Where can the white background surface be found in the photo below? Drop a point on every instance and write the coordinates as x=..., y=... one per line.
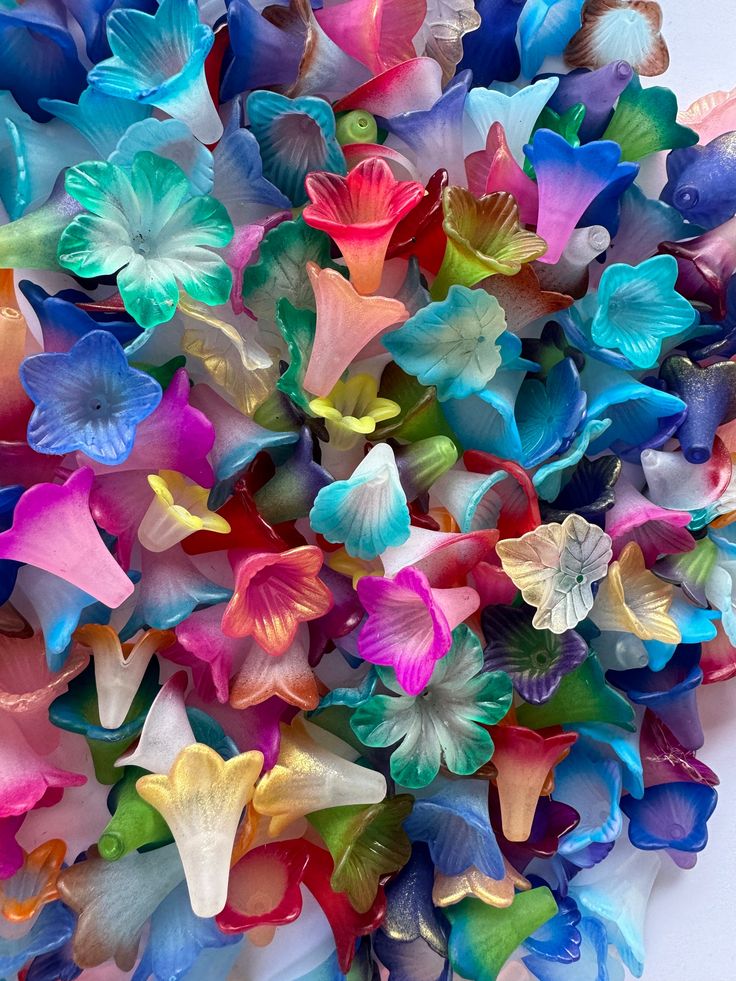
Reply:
x=692, y=916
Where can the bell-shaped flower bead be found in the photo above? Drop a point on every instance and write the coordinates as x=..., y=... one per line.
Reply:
x=288, y=676
x=352, y=410
x=555, y=567
x=535, y=659
x=367, y=512
x=148, y=229
x=178, y=509
x=309, y=777
x=274, y=593
x=360, y=212
x=545, y=27
x=158, y=59
x=614, y=30
x=672, y=816
x=334, y=348
x=445, y=723
x=638, y=309
x=202, y=799
x=409, y=625
x=296, y=137
x=516, y=112
x=88, y=399
x=379, y=35
x=484, y=238
x=455, y=345
x=631, y=598
x=569, y=179
x=166, y=730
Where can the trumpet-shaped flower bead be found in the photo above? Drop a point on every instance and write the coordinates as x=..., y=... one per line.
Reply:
x=114, y=900
x=48, y=937
x=262, y=53
x=617, y=892
x=334, y=348
x=596, y=90
x=494, y=169
x=645, y=121
x=26, y=776
x=309, y=777
x=640, y=415
x=489, y=49
x=454, y=344
x=451, y=889
x=555, y=567
x=665, y=760
x=706, y=266
x=410, y=624
x=158, y=59
x=633, y=599
x=548, y=415
x=545, y=27
x=165, y=732
x=454, y=822
x=119, y=668
x=484, y=238
x=443, y=724
x=273, y=594
x=178, y=509
x=436, y=133
x=150, y=231
x=202, y=800
x=710, y=116
x=523, y=759
x=352, y=409
x=591, y=782
x=443, y=557
x=88, y=399
x=586, y=171
x=708, y=393
x=377, y=34
x=536, y=660
x=415, y=84
x=656, y=530
x=53, y=530
x=173, y=140
x=482, y=937
x=517, y=113
x=638, y=309
x=101, y=119
x=360, y=212
x=614, y=29
x=675, y=483
x=296, y=137
x=368, y=511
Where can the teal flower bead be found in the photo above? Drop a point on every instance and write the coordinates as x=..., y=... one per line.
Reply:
x=442, y=725
x=148, y=229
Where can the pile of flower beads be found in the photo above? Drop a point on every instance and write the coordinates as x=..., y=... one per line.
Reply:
x=367, y=501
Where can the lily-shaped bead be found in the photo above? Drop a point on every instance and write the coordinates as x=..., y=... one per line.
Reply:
x=633, y=599
x=656, y=530
x=148, y=230
x=614, y=29
x=352, y=410
x=23, y=895
x=443, y=724
x=555, y=567
x=671, y=815
x=484, y=238
x=308, y=777
x=360, y=212
x=338, y=303
x=202, y=799
x=158, y=59
x=88, y=399
x=451, y=889
x=409, y=625
x=523, y=759
x=274, y=593
x=178, y=509
x=119, y=668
